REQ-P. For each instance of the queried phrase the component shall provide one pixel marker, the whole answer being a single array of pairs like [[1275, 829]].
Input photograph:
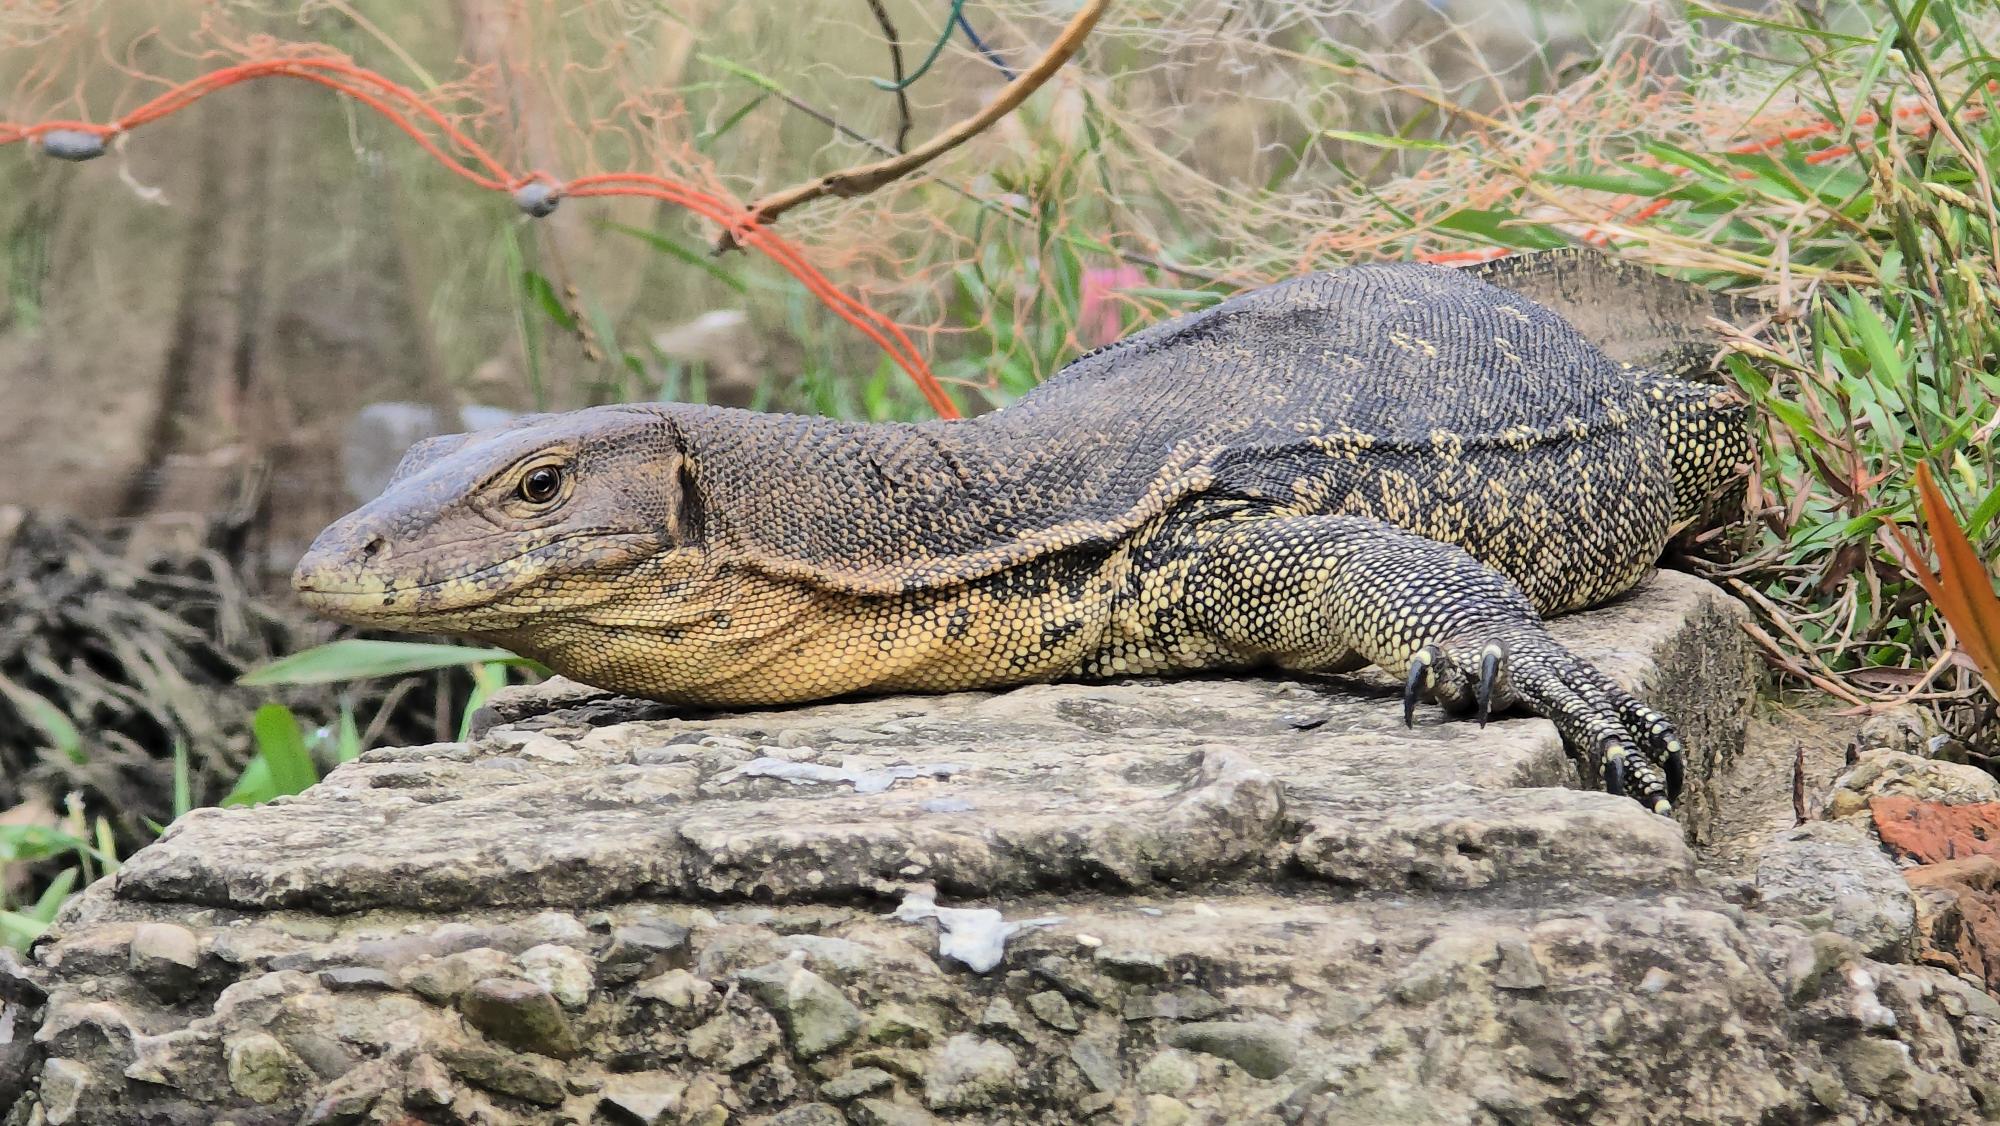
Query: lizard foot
[[1320, 591], [1636, 749]]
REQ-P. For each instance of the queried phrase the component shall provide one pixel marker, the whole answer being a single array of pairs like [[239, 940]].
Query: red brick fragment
[[1929, 832], [1958, 916]]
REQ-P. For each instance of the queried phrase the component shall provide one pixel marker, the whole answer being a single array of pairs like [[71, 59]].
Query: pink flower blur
[[1098, 321]]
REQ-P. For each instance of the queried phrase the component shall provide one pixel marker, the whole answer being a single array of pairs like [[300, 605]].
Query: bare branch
[[865, 178]]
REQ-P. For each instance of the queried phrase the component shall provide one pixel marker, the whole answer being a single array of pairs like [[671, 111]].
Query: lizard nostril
[[375, 548]]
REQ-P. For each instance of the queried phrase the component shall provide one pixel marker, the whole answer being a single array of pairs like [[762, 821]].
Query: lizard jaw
[[366, 600], [352, 582]]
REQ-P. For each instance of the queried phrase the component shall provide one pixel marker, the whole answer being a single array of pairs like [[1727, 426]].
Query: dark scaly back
[[883, 508], [1661, 328], [1392, 350], [1635, 315], [1416, 394]]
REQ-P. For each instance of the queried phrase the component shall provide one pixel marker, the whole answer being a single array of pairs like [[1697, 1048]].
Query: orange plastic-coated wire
[[383, 95], [886, 333], [306, 67]]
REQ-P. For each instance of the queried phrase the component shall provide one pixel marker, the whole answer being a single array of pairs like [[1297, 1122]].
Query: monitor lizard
[[1392, 464]]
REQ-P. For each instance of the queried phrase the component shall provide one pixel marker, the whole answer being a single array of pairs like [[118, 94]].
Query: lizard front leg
[[1310, 592]]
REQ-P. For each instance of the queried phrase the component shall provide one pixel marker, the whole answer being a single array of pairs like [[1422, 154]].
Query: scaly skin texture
[[1390, 464]]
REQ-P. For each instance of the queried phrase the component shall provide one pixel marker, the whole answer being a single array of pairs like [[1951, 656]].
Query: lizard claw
[[1665, 757], [1489, 671], [1421, 678], [1638, 752], [1614, 770], [1653, 796], [1627, 772]]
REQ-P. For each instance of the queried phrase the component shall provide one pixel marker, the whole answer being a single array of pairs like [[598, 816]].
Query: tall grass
[[1882, 239]]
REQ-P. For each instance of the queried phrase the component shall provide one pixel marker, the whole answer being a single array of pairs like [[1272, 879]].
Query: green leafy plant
[[284, 762], [283, 765], [1874, 232], [92, 847]]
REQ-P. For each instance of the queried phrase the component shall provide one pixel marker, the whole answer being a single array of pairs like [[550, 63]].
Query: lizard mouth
[[347, 586]]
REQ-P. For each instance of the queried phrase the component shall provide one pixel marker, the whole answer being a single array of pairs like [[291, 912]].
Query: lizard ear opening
[[688, 526]]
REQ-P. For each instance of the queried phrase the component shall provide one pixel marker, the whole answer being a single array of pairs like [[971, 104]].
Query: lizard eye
[[541, 484]]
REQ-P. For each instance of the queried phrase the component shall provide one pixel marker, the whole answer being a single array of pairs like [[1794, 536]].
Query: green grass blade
[[1698, 11], [183, 782], [282, 746], [1976, 523], [486, 680], [348, 746], [253, 786], [704, 140], [107, 845], [46, 718], [543, 291], [1384, 141], [1192, 298], [359, 659], [760, 81], [53, 896], [36, 842], [1504, 228], [19, 930], [1639, 181], [1877, 342]]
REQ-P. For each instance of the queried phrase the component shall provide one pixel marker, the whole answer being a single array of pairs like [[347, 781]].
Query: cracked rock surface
[[1225, 900]]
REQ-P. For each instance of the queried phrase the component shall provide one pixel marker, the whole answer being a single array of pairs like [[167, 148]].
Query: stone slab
[[1216, 900], [1121, 786]]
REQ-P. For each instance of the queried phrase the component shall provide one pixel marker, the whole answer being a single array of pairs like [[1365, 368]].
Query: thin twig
[[1777, 655], [1777, 618], [831, 122], [865, 178], [1798, 783], [1008, 210], [901, 89]]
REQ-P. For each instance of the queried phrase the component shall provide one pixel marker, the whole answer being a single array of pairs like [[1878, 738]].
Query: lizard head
[[490, 531]]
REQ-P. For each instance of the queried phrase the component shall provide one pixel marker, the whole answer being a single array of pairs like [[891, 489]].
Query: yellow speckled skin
[[1388, 464]]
